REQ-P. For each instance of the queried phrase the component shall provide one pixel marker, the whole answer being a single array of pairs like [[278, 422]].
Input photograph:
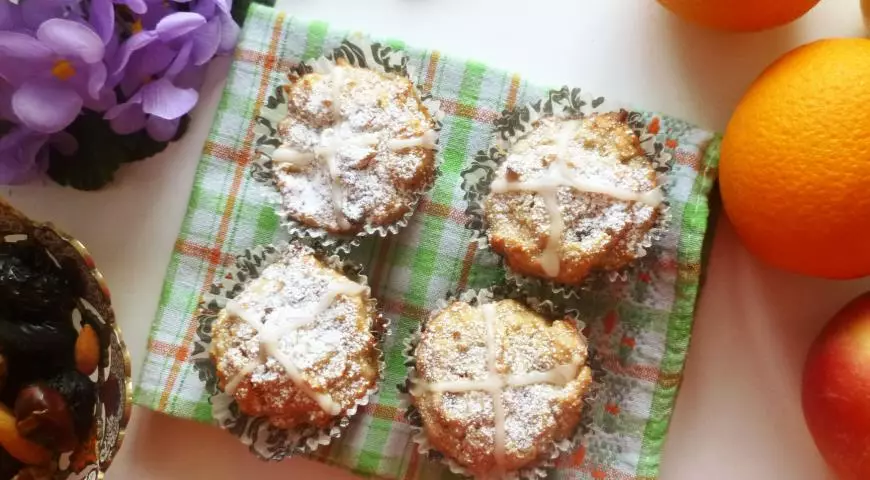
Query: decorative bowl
[[113, 376]]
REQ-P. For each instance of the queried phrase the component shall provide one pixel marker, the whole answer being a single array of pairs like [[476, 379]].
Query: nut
[[19, 447], [87, 350], [44, 417]]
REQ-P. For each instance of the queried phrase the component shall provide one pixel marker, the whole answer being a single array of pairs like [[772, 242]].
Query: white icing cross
[[557, 175], [269, 338], [495, 383], [331, 143]]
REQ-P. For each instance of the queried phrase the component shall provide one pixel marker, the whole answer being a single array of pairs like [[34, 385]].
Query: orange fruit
[[795, 161], [740, 15]]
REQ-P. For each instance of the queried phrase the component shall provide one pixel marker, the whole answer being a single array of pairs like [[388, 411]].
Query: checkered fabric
[[640, 332]]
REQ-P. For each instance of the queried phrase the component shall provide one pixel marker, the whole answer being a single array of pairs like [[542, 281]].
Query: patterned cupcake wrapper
[[550, 308], [264, 440], [358, 51], [509, 128]]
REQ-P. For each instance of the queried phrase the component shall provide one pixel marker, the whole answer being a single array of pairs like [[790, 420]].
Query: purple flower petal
[[18, 46], [229, 35], [9, 16], [23, 155], [178, 24], [70, 38], [205, 8], [97, 79], [181, 61], [6, 112], [35, 12], [64, 143], [130, 85], [102, 18], [206, 41], [134, 43], [23, 57], [161, 129], [151, 61], [165, 100], [46, 106], [126, 118], [191, 77], [224, 5], [105, 101], [137, 6]]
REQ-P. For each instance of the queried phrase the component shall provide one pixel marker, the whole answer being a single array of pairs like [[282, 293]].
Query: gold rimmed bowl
[[113, 377]]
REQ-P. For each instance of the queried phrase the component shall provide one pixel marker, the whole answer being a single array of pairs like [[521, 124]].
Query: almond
[[87, 350]]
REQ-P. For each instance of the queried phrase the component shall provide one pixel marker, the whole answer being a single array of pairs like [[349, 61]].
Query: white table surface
[[738, 415]]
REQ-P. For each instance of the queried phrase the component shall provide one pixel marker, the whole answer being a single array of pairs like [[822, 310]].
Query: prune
[[36, 304], [80, 394], [51, 338], [31, 283]]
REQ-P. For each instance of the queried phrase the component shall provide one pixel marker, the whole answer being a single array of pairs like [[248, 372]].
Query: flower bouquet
[[87, 85]]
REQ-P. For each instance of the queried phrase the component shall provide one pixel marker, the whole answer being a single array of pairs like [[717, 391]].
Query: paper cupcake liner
[[264, 440], [510, 127], [550, 308], [358, 51]]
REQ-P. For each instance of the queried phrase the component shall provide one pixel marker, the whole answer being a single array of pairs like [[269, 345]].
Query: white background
[[738, 416]]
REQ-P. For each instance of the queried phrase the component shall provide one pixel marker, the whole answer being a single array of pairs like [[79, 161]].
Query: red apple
[[836, 391]]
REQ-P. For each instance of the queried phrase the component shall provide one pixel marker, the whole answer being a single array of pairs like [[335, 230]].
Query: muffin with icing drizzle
[[357, 148], [573, 195], [497, 385], [298, 345]]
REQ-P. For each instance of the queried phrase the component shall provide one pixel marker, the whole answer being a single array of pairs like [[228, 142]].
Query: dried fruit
[[19, 447], [80, 394], [85, 453], [44, 417], [31, 284], [36, 473], [51, 339], [87, 350]]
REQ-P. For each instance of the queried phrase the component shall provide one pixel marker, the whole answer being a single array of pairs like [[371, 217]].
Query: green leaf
[[101, 152]]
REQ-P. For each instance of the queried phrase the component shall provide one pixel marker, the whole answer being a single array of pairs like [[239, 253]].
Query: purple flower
[[160, 68], [24, 153], [54, 73], [158, 106]]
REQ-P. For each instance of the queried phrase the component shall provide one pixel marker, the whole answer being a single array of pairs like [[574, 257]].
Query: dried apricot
[[18, 446]]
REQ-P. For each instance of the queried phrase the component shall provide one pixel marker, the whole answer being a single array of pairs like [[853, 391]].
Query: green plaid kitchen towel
[[640, 330]]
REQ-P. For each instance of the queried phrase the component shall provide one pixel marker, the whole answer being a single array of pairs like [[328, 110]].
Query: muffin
[[357, 148], [497, 384], [298, 345], [573, 195]]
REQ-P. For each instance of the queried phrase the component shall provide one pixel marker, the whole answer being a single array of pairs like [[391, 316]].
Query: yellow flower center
[[63, 70], [137, 26]]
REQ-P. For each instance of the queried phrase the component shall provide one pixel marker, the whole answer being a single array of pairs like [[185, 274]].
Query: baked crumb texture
[[573, 195], [297, 346], [358, 148], [497, 384]]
